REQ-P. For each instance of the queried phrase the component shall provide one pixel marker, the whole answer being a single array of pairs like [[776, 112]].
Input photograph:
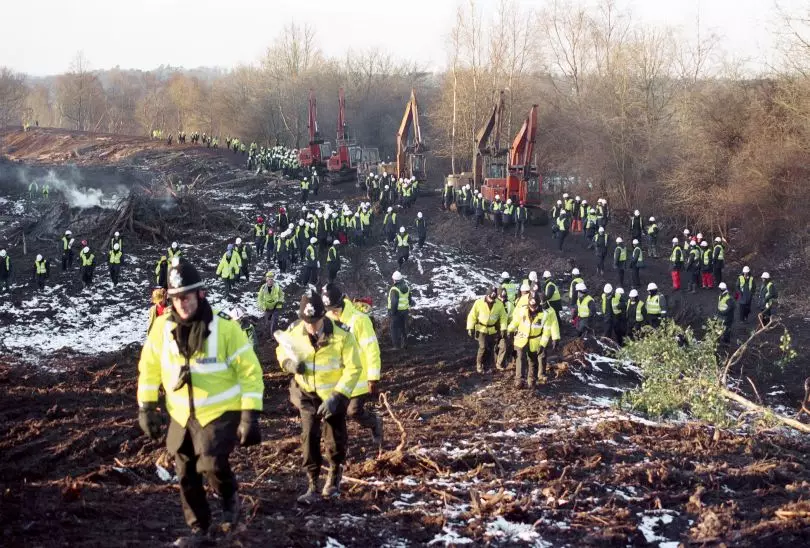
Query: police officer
[[745, 293], [270, 299], [421, 229], [399, 303], [585, 311], [325, 361], [486, 319], [725, 311], [214, 389], [620, 259], [114, 259]]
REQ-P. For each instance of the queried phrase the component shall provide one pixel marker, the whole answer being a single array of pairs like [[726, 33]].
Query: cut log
[[748, 404]]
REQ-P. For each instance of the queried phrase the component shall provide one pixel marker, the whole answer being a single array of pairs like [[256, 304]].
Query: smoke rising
[[70, 185]]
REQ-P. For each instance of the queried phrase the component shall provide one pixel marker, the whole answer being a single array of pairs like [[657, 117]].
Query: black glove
[[248, 431], [150, 420], [332, 405], [471, 333], [290, 366]]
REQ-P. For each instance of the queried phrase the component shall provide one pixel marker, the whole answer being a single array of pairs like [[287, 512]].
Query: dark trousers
[[745, 310], [402, 255], [271, 318], [620, 274], [40, 281], [718, 272], [333, 269], [503, 352], [399, 329], [203, 451], [422, 239], [360, 413], [636, 277], [304, 195], [561, 238], [529, 365], [87, 275], [485, 345], [601, 266], [334, 428], [67, 259], [115, 271], [259, 243]]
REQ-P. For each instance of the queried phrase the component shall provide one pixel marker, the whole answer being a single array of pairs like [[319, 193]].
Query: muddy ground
[[474, 461]]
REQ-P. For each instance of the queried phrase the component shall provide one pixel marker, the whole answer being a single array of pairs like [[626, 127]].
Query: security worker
[[270, 300], [174, 251], [309, 274], [504, 349], [563, 227], [449, 196], [227, 268], [636, 225], [636, 314], [421, 229], [403, 246], [676, 262], [521, 216], [259, 235], [725, 311], [5, 269], [552, 292], [486, 319], [88, 266], [652, 236], [693, 261], [636, 263], [510, 286], [400, 301], [161, 272], [551, 333], [619, 305], [333, 260], [620, 259], [67, 250], [767, 298], [745, 293], [243, 250], [601, 243], [214, 389], [390, 224], [325, 361], [41, 270], [655, 305], [576, 279], [718, 260], [585, 312], [527, 325], [606, 311], [115, 263], [341, 309], [116, 239], [706, 268]]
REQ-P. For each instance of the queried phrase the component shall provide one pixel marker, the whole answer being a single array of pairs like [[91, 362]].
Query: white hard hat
[[581, 287], [633, 293], [336, 242], [686, 232], [39, 257], [117, 234], [651, 286], [525, 287], [386, 187], [718, 240], [396, 276], [390, 209], [533, 276], [766, 276], [619, 291], [313, 240], [608, 289], [577, 198], [575, 272], [700, 235], [635, 242], [565, 195], [236, 313], [301, 222], [509, 201], [585, 202], [546, 274], [174, 245], [86, 249], [497, 196], [68, 232], [419, 214], [675, 241], [746, 270], [385, 174], [116, 247], [480, 195], [704, 243], [559, 202], [2, 252], [504, 274], [619, 240], [652, 219], [401, 229], [601, 229], [637, 213], [239, 241], [722, 286]]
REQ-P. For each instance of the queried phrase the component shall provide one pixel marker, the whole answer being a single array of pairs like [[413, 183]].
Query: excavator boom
[[410, 157], [494, 123]]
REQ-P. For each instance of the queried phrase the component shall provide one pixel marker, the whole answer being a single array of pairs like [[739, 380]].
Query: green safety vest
[[572, 287], [402, 240], [583, 311], [622, 252], [653, 304], [720, 255], [304, 185], [555, 295], [87, 260], [40, 266], [511, 290], [639, 314], [640, 258], [615, 303], [331, 255], [115, 257], [677, 255], [561, 223], [722, 303], [403, 300], [742, 282]]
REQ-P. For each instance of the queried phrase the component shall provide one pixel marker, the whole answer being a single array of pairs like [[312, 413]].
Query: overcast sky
[[41, 36]]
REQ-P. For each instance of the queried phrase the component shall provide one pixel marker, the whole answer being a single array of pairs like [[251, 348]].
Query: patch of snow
[[332, 543], [507, 530], [449, 538], [164, 474], [652, 519]]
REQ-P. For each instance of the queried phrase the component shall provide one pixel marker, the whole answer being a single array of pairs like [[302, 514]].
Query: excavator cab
[[417, 165]]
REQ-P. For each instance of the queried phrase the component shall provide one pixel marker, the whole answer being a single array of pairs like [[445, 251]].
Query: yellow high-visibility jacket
[[225, 376], [487, 320], [551, 327], [334, 366], [360, 326], [528, 328], [228, 269]]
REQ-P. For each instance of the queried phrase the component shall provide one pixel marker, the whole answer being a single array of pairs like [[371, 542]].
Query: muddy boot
[[479, 368], [231, 509], [311, 496], [331, 489], [377, 432], [197, 537], [518, 383]]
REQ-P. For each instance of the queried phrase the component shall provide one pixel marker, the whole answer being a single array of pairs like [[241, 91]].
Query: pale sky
[[41, 37]]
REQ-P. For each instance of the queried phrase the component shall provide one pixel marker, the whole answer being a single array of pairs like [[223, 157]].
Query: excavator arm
[[494, 123], [410, 121], [520, 155]]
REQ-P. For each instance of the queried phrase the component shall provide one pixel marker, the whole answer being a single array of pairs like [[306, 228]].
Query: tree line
[[628, 111]]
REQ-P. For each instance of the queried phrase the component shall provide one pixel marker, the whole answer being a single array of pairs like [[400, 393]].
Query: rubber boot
[[311, 496], [377, 432], [331, 489], [231, 509], [197, 537]]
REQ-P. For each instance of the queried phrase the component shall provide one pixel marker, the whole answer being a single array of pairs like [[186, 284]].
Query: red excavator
[[520, 181], [410, 150], [318, 150], [342, 164]]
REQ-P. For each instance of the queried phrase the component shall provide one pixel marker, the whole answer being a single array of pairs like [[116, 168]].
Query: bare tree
[[13, 91]]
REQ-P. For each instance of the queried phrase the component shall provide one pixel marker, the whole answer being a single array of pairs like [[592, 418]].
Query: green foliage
[[679, 373], [787, 350]]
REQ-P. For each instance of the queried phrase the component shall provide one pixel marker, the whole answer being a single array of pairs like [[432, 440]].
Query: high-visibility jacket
[[115, 257], [555, 211], [591, 220], [636, 311], [5, 266], [402, 240], [562, 224], [332, 254], [487, 319], [270, 299], [88, 259], [745, 286], [225, 374], [572, 288], [584, 305], [497, 205], [508, 211], [653, 305], [360, 326], [334, 366], [528, 329], [552, 292], [676, 258], [768, 295], [172, 253], [607, 308], [365, 218], [707, 257], [40, 266], [67, 243], [620, 255], [311, 256], [228, 267], [694, 259], [652, 230], [718, 253], [402, 296], [390, 219], [723, 303], [243, 251], [551, 327], [601, 241], [617, 305], [637, 260], [511, 290], [521, 214], [118, 241], [569, 205]]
